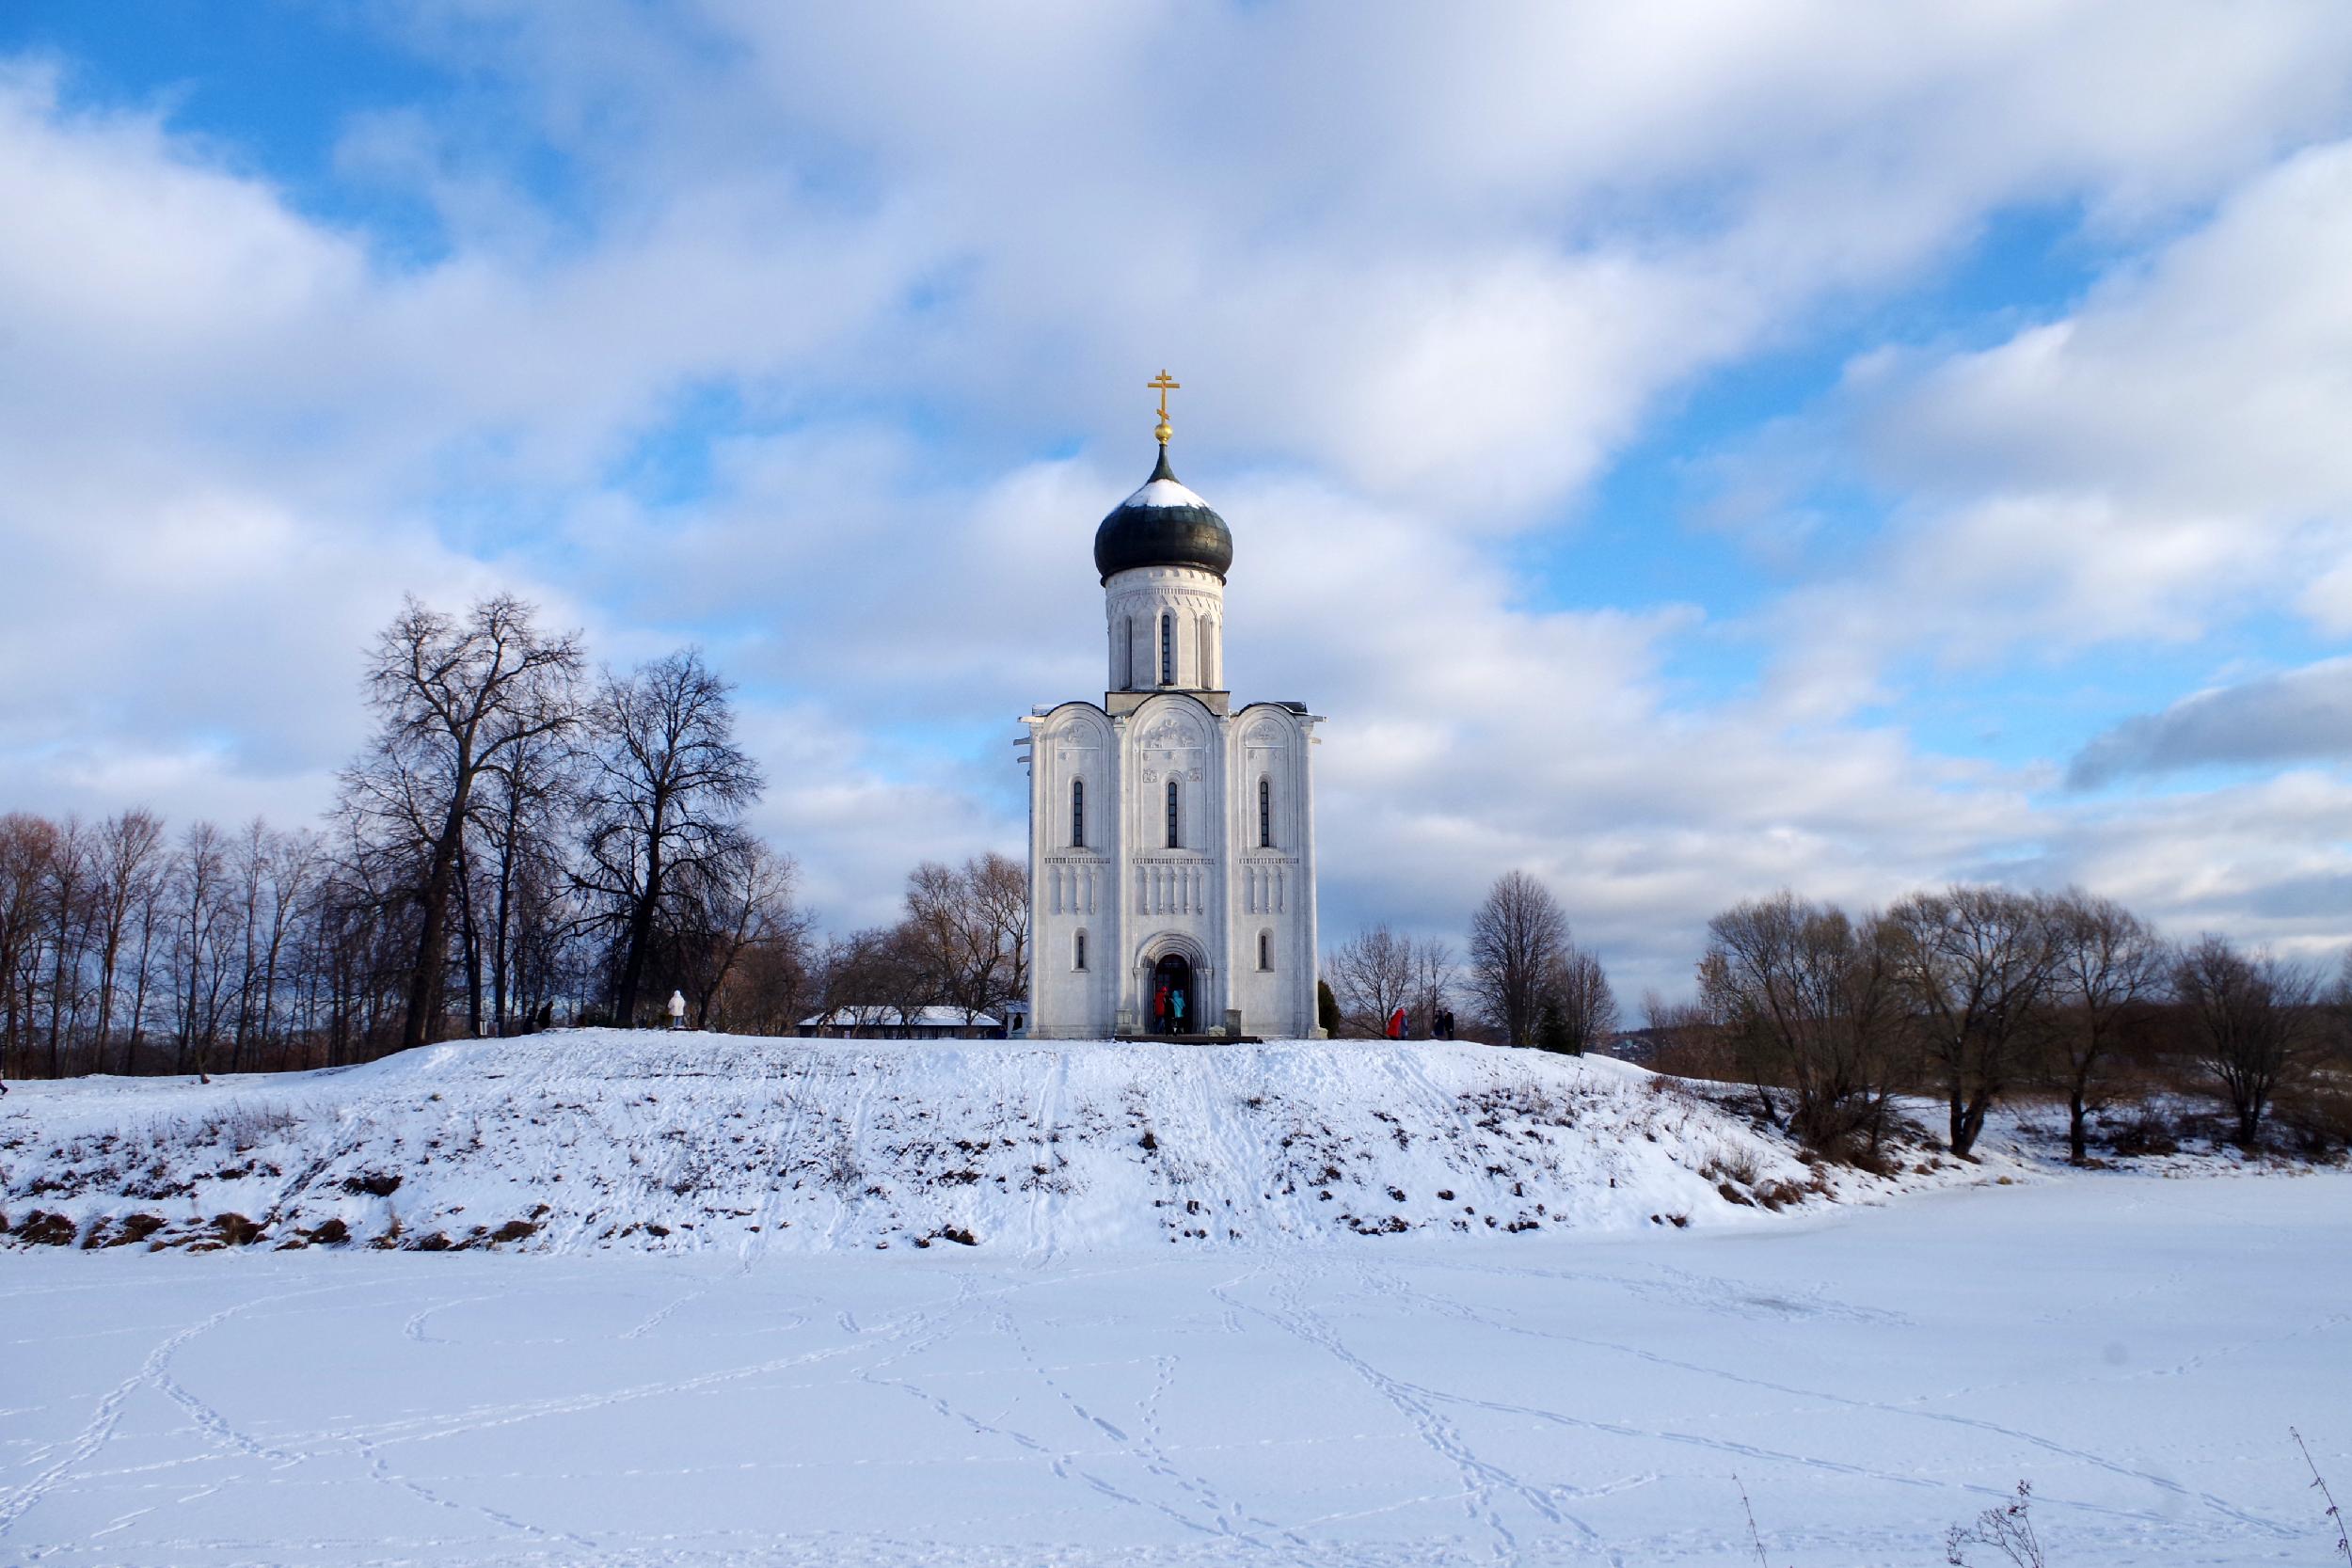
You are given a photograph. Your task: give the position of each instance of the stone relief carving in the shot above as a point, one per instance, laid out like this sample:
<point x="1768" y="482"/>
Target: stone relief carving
<point x="1265" y="732"/>
<point x="1170" y="734"/>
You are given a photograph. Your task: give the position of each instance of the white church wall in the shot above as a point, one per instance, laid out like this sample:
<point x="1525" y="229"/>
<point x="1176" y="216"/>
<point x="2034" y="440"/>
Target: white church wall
<point x="1177" y="892"/>
<point x="1074" y="886"/>
<point x="1272" y="901"/>
<point x="1233" y="894"/>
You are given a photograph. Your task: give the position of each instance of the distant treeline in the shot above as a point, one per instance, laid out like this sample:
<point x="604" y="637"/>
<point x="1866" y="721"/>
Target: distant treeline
<point x="523" y="841"/>
<point x="1969" y="994"/>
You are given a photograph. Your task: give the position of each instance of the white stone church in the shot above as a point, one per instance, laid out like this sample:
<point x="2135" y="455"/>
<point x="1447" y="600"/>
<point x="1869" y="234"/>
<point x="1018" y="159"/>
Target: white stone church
<point x="1172" y="834"/>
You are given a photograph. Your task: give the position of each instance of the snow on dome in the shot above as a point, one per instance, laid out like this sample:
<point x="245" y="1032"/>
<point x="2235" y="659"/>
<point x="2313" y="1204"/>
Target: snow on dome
<point x="1165" y="492"/>
<point x="1164" y="524"/>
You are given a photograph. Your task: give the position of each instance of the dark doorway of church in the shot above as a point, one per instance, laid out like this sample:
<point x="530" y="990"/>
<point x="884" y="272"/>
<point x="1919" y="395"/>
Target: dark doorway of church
<point x="1171" y="995"/>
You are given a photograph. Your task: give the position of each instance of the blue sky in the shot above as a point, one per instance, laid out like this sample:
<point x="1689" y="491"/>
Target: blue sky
<point x="1684" y="452"/>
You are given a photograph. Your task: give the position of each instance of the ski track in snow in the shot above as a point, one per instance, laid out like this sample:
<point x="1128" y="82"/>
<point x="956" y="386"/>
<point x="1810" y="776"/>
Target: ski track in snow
<point x="771" y="1384"/>
<point x="1525" y="1403"/>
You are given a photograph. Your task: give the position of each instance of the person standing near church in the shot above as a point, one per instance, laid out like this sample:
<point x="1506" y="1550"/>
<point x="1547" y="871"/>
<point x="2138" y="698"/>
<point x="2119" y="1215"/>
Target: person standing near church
<point x="677" y="1009"/>
<point x="1176" y="1001"/>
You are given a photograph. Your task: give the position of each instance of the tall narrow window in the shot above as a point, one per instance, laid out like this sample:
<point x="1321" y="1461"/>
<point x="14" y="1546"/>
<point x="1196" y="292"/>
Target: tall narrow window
<point x="1171" y="814"/>
<point x="1077" y="813"/>
<point x="1078" y="950"/>
<point x="1126" y="653"/>
<point x="1266" y="949"/>
<point x="1167" y="649"/>
<point x="1266" y="814"/>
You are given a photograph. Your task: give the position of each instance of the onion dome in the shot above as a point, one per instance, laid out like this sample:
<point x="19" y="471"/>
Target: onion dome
<point x="1163" y="525"/>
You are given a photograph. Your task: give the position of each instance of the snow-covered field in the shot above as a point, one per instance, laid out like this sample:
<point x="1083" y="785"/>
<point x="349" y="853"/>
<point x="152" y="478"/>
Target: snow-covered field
<point x="684" y="1143"/>
<point x="2136" y="1345"/>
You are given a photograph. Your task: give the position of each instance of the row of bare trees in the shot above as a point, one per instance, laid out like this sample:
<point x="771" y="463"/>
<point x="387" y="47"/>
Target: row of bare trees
<point x="521" y="839"/>
<point x="1526" y="981"/>
<point x="1380" y="970"/>
<point x="124" y="948"/>
<point x="538" y="835"/>
<point x="1977" y="992"/>
<point x="961" y="944"/>
<point x="1529" y="980"/>
<point x="1970" y="994"/>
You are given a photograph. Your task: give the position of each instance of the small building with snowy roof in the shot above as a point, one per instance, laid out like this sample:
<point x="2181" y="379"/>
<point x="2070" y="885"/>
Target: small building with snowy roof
<point x="896" y="1024"/>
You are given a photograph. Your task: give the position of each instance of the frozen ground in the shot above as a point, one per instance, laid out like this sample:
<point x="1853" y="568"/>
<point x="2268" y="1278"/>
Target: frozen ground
<point x="2137" y="1346"/>
<point x="637" y="1300"/>
<point x="609" y="1140"/>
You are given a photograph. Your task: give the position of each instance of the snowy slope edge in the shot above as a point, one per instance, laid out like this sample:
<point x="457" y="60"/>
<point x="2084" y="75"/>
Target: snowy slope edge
<point x="594" y="1138"/>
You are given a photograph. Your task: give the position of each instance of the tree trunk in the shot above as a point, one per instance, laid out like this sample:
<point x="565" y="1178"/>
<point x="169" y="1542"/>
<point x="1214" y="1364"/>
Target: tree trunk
<point x="109" y="957"/>
<point x="473" y="944"/>
<point x="138" y="995"/>
<point x="1972" y="1126"/>
<point x="2077" y="1145"/>
<point x="501" y="917"/>
<point x="640" y="928"/>
<point x="57" y="1007"/>
<point x="269" y="982"/>
<point x="423" y="1025"/>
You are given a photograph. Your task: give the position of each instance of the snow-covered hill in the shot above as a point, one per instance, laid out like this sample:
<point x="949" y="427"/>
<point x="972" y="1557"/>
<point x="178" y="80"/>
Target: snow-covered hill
<point x="691" y="1141"/>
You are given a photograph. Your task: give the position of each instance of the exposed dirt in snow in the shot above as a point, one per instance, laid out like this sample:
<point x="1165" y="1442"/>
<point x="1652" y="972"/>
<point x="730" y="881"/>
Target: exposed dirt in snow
<point x="689" y="1142"/>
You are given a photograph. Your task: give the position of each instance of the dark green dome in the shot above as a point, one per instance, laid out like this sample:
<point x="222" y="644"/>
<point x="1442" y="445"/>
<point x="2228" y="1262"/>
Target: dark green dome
<point x="1163" y="525"/>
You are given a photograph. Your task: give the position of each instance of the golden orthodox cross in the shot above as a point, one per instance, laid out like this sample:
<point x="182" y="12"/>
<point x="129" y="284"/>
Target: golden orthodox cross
<point x="1164" y="385"/>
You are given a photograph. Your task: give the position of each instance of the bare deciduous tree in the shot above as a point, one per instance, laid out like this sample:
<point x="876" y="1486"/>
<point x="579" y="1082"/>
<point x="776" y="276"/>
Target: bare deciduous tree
<point x="956" y="944"/>
<point x="2109" y="962"/>
<point x="2254" y="1018"/>
<point x="129" y="871"/>
<point x="738" y="904"/>
<point x="969" y="927"/>
<point x="27" y="844"/>
<point x="1000" y="886"/>
<point x="198" y="953"/>
<point x="664" y="792"/>
<point x="1515" y="936"/>
<point x="872" y="980"/>
<point x="1372" y="973"/>
<point x="1684" y="1038"/>
<point x="1435" y="977"/>
<point x="525" y="817"/>
<point x="1579" y="1008"/>
<point x="66" y="892"/>
<point x="454" y="698"/>
<point x="1805" y="996"/>
<point x="1974" y="966"/>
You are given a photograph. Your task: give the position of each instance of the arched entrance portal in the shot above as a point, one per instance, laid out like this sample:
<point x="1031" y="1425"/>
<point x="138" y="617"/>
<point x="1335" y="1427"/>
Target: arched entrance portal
<point x="1174" y="1008"/>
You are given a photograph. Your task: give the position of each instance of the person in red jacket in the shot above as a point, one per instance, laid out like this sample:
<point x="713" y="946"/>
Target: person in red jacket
<point x="1396" y="1025"/>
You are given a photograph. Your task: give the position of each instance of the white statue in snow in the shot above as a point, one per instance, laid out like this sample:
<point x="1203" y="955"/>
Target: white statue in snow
<point x="677" y="1009"/>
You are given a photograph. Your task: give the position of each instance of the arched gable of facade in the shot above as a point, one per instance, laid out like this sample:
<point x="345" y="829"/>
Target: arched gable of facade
<point x="1267" y="746"/>
<point x="1077" y="720"/>
<point x="1172" y="718"/>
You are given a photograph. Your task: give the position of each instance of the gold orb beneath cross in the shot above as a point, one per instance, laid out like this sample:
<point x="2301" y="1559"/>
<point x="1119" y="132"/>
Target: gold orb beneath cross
<point x="1164" y="430"/>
